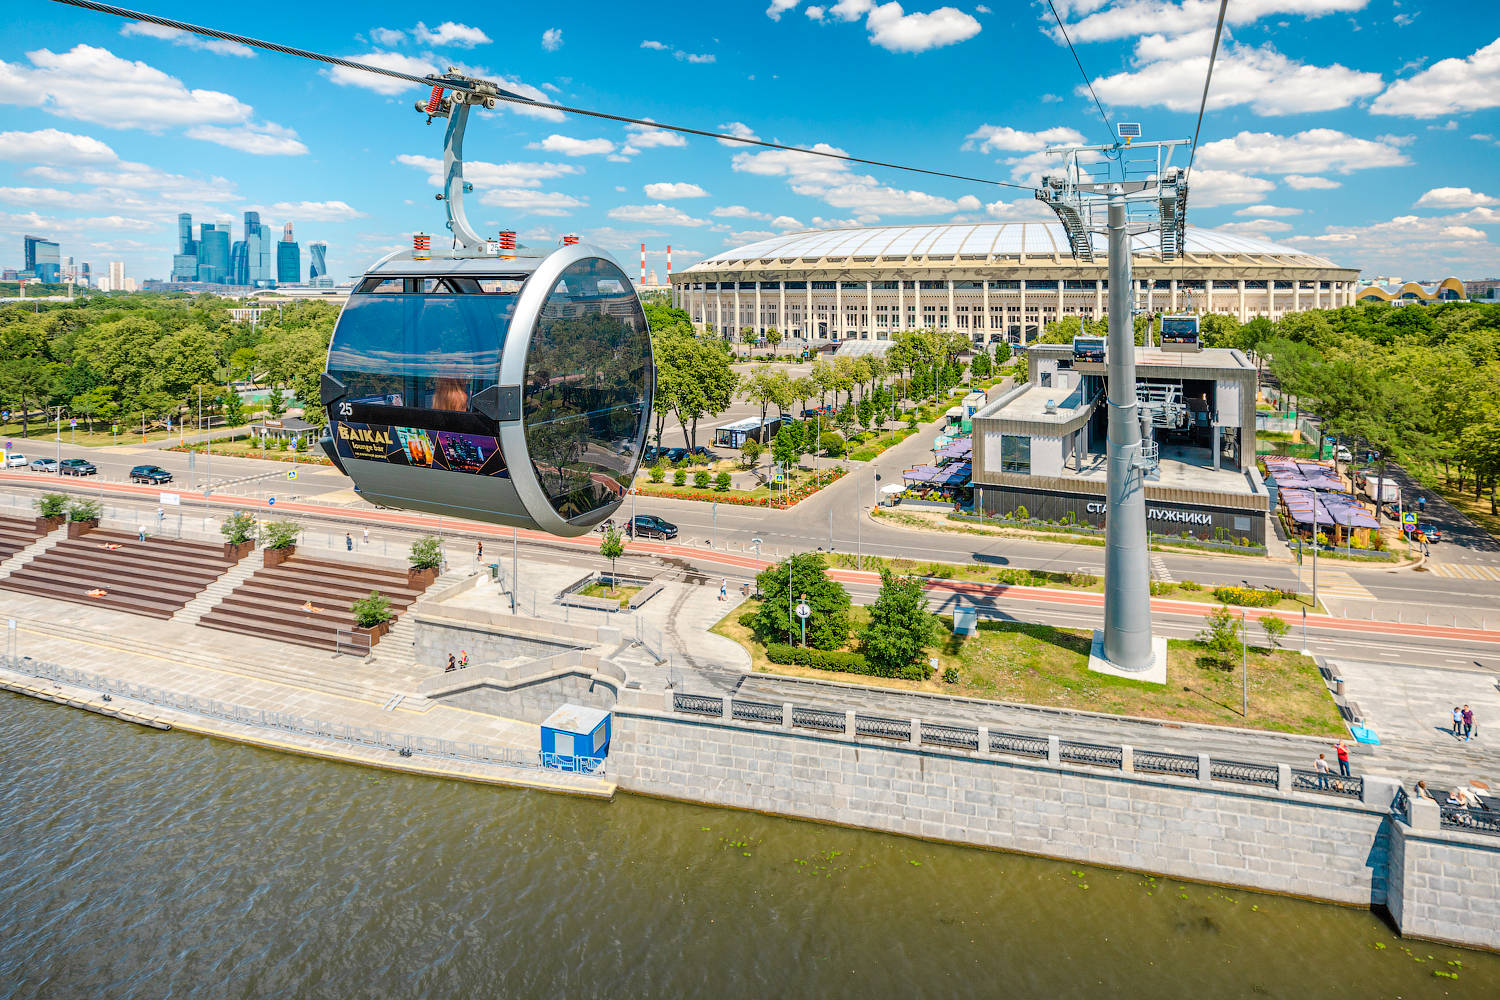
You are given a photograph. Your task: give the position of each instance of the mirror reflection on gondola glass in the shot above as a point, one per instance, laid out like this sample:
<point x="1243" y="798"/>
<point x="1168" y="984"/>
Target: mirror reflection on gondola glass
<point x="587" y="388"/>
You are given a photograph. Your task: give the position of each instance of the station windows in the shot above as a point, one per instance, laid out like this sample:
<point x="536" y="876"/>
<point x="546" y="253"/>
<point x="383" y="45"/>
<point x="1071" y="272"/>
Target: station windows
<point x="1015" y="453"/>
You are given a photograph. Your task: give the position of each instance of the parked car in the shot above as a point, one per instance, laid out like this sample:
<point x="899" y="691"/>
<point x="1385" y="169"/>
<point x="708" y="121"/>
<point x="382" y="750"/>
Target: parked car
<point x="153" y="474"/>
<point x="1423" y="533"/>
<point x="44" y="465"/>
<point x="703" y="453"/>
<point x="675" y="455"/>
<point x="16" y="460"/>
<point x="650" y="526"/>
<point x="651" y="454"/>
<point x="1343" y="454"/>
<point x="77" y="467"/>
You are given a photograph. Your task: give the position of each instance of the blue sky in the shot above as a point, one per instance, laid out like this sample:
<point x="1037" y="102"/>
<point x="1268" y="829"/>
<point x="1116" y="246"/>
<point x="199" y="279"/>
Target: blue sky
<point x="1364" y="130"/>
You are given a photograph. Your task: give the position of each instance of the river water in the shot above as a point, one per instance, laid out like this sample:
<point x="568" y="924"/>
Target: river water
<point x="135" y="863"/>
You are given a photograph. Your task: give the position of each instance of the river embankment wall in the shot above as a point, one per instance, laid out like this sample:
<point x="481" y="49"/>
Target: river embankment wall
<point x="1275" y="839"/>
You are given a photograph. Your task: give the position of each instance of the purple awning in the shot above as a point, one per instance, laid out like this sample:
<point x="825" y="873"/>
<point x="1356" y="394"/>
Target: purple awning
<point x="1328" y="508"/>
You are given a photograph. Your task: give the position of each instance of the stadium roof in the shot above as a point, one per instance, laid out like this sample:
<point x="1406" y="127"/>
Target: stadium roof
<point x="982" y="241"/>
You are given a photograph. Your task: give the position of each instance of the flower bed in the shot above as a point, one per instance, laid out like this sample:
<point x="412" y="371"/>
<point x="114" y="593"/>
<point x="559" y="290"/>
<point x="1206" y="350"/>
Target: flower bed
<point x="779" y="501"/>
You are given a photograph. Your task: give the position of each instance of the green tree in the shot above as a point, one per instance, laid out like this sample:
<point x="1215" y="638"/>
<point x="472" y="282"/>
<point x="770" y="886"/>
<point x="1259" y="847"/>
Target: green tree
<point x="234" y="408"/>
<point x="750" y="452"/>
<point x="275" y="402"/>
<point x="1275" y="629"/>
<point x="1221" y="636"/>
<point x="900" y="628"/>
<point x="827" y="626"/>
<point x="612" y="547"/>
<point x="773" y="337"/>
<point x="981" y="365"/>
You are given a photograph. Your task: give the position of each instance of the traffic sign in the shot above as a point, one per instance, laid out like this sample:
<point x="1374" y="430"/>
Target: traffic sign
<point x="171" y="499"/>
<point x="72" y="421"/>
<point x="270" y="501"/>
<point x="1408" y="519"/>
<point x="803" y="610"/>
<point x="291" y="475"/>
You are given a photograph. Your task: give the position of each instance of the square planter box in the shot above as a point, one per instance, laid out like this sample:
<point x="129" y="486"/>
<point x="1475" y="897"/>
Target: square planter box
<point x="47" y="525"/>
<point x="375" y="633"/>
<point x="77" y="529"/>
<point x="421" y="579"/>
<point x="235" y="553"/>
<point x="275" y="557"/>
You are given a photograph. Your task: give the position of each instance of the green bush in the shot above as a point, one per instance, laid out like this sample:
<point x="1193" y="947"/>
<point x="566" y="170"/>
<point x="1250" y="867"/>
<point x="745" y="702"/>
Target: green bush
<point x="426" y="553"/>
<point x="282" y="534"/>
<point x="658" y="471"/>
<point x="832" y="443"/>
<point x="371" y="611"/>
<point x="1189" y="585"/>
<point x="52" y="504"/>
<point x="950" y="676"/>
<point x="824" y="659"/>
<point x="1248" y="597"/>
<point x="721" y="482"/>
<point x="1160" y="587"/>
<point x="85" y="511"/>
<point x="700" y="479"/>
<point x="238" y="527"/>
<point x="1021" y="513"/>
<point x="679" y="477"/>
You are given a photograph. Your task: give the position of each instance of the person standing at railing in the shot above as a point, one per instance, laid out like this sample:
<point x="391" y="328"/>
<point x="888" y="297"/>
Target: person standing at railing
<point x="1321" y="766"/>
<point x="1342" y="750"/>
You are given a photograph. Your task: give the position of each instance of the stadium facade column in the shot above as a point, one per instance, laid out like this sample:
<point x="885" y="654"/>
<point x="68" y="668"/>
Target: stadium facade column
<point x="1098" y="297"/>
<point x="985" y="326"/>
<point x="760" y="317"/>
<point x="1060" y="284"/>
<point x="900" y="303"/>
<point x="1174" y="294"/>
<point x="952" y="312"/>
<point x="838" y="309"/>
<point x="870" y="308"/>
<point x="1242" y="300"/>
<point x="1023" y="311"/>
<point x="781" y="306"/>
<point x="812" y="326"/>
<point x="916" y="287"/>
<point x="719" y="309"/>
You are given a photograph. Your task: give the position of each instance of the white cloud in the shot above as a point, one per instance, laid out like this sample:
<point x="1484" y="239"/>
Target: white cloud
<point x="1170" y="73"/>
<point x="835" y="184"/>
<point x="95" y="85"/>
<point x="460" y="36"/>
<point x="739" y="212"/>
<point x="739" y="129"/>
<point x="483" y="174"/>
<point x="668" y="191"/>
<point x="1260" y="227"/>
<point x="1225" y="187"/>
<point x="779" y="7"/>
<point x="569" y="146"/>
<point x="1302" y="182"/>
<point x="658" y="46"/>
<point x="50" y="145"/>
<point x="893" y="29"/>
<point x="1404" y="19"/>
<point x="265" y="139"/>
<point x="413" y="65"/>
<point x="387" y="36"/>
<point x="528" y="201"/>
<point x="1022" y="209"/>
<point x="186" y="39"/>
<point x="1414" y="244"/>
<point x="639" y="137"/>
<point x="1313" y="151"/>
<point x="656" y="215"/>
<point x="1128" y="18"/>
<point x="317" y="211"/>
<point x="552" y="39"/>
<point x="529" y="92"/>
<point x="997" y="138"/>
<point x="1267" y="211"/>
<point x="1455" y="197"/>
<point x="679" y="54"/>
<point x="1449" y="86"/>
<point x="815" y="13"/>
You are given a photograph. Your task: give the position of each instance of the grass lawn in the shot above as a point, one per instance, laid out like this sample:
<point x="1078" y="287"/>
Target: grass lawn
<point x="1475" y="509"/>
<point x="799" y="477"/>
<point x="623" y="593"/>
<point x="874" y="446"/>
<point x="1043" y="665"/>
<point x="45" y="436"/>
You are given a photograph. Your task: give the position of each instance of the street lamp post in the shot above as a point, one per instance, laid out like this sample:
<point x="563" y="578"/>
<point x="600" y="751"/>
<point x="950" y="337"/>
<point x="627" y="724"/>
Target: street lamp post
<point x="757" y="543"/>
<point x="1244" y="669"/>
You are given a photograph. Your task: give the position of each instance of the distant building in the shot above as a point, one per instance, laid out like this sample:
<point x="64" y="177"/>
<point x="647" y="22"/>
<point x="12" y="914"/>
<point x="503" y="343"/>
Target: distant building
<point x="259" y="269"/>
<point x="185" y="260"/>
<point x="117" y="276"/>
<point x="84" y="277"/>
<point x="288" y="259"/>
<point x="43" y="258"/>
<point x="213" y="253"/>
<point x="1486" y="290"/>
<point x="1448" y="290"/>
<point x="319" y="265"/>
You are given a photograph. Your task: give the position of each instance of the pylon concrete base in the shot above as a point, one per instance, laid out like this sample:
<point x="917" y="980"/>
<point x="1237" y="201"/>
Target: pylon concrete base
<point x="1156" y="673"/>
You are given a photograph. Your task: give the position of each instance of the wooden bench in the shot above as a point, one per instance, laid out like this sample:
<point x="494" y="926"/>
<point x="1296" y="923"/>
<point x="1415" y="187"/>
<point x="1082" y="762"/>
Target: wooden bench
<point x="645" y="594"/>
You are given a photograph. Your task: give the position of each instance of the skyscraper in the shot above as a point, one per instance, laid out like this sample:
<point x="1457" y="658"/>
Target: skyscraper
<point x="239" y="266"/>
<point x="42" y="258"/>
<point x="260" y="268"/>
<point x="185" y="260"/>
<point x="117" y="276"/>
<point x="319" y="265"/>
<point x="184" y="232"/>
<point x="213" y="253"/>
<point x="84" y="277"/>
<point x="288" y="259"/>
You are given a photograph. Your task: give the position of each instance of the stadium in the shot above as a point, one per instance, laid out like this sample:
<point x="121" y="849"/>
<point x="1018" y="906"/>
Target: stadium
<point x="992" y="280"/>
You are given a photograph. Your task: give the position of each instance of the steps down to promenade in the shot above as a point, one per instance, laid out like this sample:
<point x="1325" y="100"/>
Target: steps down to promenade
<point x="116" y="570"/>
<point x="307" y="601"/>
<point x="21" y="541"/>
<point x="193" y="611"/>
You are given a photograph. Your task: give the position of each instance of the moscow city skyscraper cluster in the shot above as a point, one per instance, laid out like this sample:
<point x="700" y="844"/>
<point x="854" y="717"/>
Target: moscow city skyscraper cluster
<point x="258" y="260"/>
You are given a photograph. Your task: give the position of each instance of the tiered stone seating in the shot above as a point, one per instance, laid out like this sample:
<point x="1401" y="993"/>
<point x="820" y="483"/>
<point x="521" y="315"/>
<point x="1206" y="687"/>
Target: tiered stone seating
<point x="270" y="603"/>
<point x="15" y="534"/>
<point x="153" y="578"/>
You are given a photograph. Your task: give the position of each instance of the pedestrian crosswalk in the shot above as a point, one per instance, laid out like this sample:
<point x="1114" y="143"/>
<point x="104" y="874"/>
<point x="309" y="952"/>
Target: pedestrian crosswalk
<point x="1159" y="569"/>
<point x="1464" y="571"/>
<point x="1337" y="583"/>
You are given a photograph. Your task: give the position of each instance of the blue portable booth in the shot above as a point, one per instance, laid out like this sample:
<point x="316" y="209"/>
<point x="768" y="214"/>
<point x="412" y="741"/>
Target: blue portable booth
<point x="574" y="736"/>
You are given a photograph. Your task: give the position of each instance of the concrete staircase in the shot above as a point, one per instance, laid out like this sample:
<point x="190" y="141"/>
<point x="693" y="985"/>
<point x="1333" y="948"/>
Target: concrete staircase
<point x="193" y="610"/>
<point x="19" y="557"/>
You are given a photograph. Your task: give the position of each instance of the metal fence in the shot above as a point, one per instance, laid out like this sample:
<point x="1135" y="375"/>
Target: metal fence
<point x="1469" y="818"/>
<point x="402" y="744"/>
<point x="1327" y="781"/>
<point x="1021" y="746"/>
<point x="756" y="711"/>
<point x="1243" y="772"/>
<point x="1180" y="764"/>
<point x="889" y="729"/>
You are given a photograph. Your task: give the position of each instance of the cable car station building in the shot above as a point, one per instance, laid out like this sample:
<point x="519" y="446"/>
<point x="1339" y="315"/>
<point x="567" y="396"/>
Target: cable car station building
<point x="992" y="280"/>
<point x="1041" y="445"/>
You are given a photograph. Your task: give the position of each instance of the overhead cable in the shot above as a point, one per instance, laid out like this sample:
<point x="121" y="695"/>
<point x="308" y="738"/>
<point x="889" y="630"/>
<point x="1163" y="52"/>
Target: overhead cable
<point x="1087" y="80"/>
<point x="1207" y="79"/>
<point x="501" y="94"/>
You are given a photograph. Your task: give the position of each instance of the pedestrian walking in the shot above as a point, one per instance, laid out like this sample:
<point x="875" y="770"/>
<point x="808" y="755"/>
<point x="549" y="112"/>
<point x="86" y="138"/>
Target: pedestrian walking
<point x="1421" y="505"/>
<point x="141" y="535"/>
<point x="1458" y="720"/>
<point x="1342" y="750"/>
<point x="367" y="536"/>
<point x="452" y="664"/>
<point x="723" y="589"/>
<point x="479" y="552"/>
<point x="1321" y="766"/>
<point x="463" y="658"/>
<point x="348" y="542"/>
<point x="1468" y="723"/>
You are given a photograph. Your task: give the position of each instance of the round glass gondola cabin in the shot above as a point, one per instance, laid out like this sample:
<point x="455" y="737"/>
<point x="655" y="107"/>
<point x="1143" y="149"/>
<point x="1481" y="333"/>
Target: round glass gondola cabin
<point x="514" y="390"/>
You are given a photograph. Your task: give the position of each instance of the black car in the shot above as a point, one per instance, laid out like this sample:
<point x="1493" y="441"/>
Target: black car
<point x="153" y="474"/>
<point x="675" y="455"/>
<point x="650" y="454"/>
<point x="650" y="526"/>
<point x="703" y="453"/>
<point x="77" y="467"/>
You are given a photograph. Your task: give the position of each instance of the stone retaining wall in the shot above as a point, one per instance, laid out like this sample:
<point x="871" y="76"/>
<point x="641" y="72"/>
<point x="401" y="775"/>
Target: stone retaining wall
<point x="1445" y="884"/>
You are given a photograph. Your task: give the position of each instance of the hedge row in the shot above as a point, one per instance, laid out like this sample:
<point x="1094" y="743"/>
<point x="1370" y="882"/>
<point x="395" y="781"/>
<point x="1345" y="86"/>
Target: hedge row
<point x="839" y="661"/>
<point x="1249" y="597"/>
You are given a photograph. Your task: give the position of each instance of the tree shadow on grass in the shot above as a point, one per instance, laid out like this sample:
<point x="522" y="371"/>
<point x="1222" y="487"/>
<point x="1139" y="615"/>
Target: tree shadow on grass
<point x="1061" y="638"/>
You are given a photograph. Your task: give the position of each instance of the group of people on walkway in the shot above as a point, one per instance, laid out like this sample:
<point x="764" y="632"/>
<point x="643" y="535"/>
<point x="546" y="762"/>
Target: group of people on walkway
<point x="458" y="663"/>
<point x="1324" y="769"/>
<point x="1463" y="723"/>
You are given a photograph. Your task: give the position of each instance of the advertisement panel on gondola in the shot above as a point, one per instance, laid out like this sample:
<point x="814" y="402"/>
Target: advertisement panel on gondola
<point x="419" y="447"/>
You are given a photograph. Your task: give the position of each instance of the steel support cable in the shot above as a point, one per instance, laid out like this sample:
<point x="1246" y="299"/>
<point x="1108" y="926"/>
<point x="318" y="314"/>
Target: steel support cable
<point x="503" y="95"/>
<point x="1087" y="80"/>
<point x="1207" y="79"/>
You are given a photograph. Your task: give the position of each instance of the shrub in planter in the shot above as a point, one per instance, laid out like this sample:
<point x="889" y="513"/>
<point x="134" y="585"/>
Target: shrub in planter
<point x="372" y="611"/>
<point x="700" y="479"/>
<point x="282" y="535"/>
<point x="426" y="553"/>
<point x="52" y="505"/>
<point x="238" y="528"/>
<point x="85" y="511"/>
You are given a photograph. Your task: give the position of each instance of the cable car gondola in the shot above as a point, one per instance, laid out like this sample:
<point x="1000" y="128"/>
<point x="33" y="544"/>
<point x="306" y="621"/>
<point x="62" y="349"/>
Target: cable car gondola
<point x="1089" y="347"/>
<point x="1180" y="333"/>
<point x="489" y="382"/>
